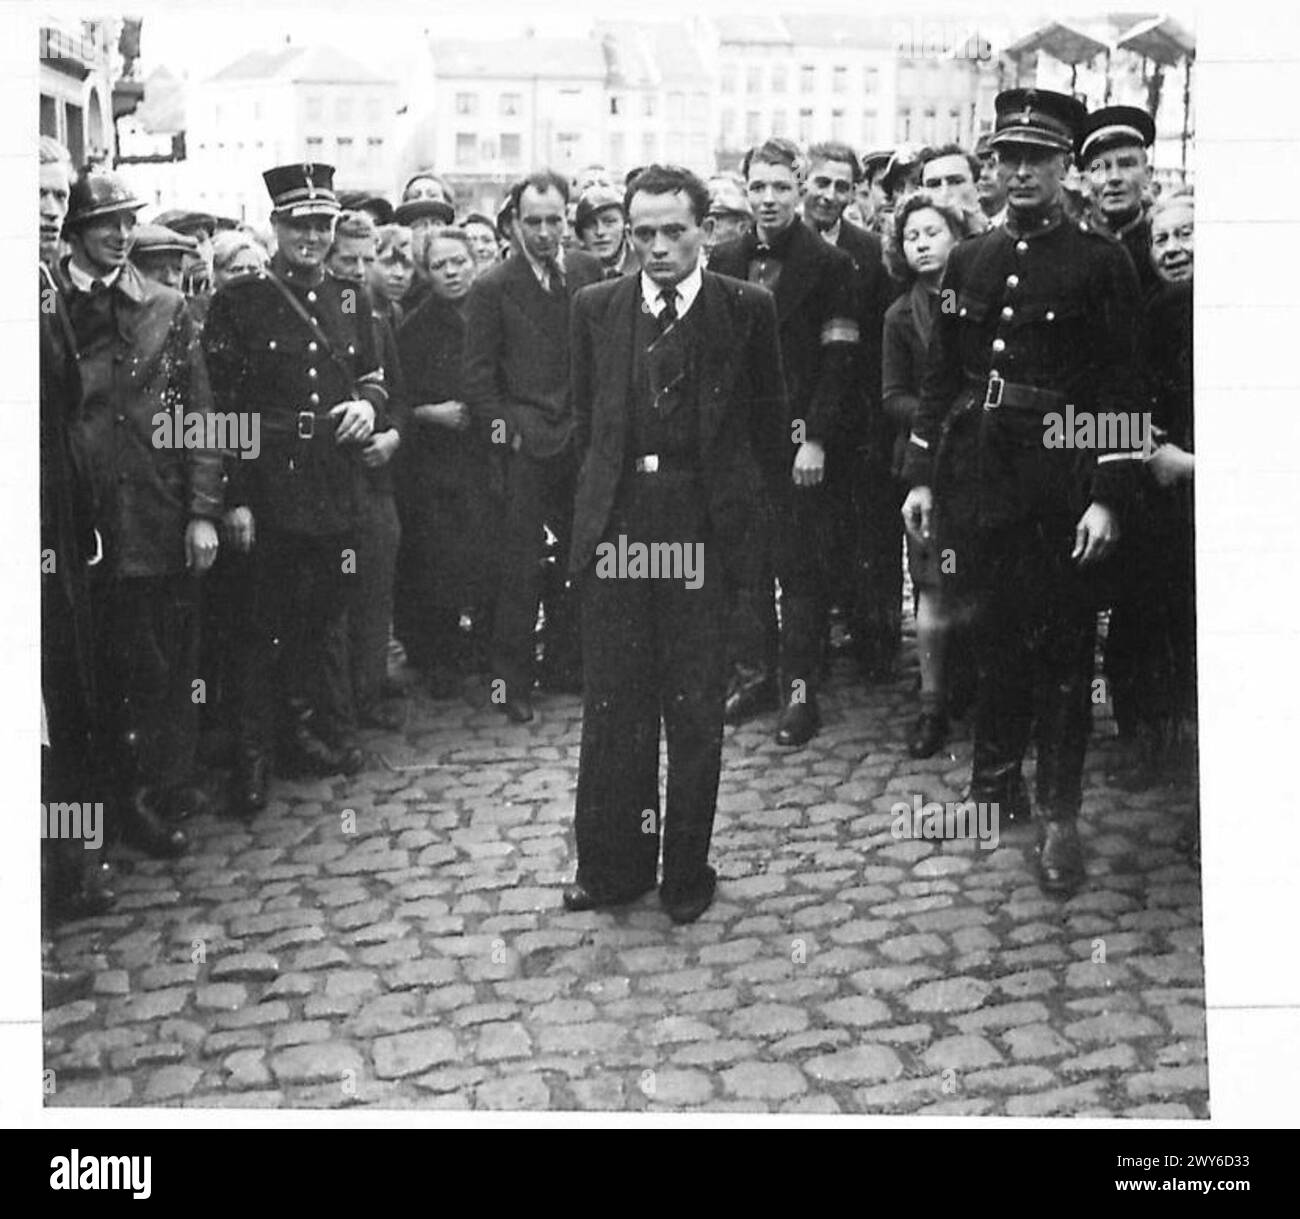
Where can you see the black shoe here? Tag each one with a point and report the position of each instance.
(249, 793)
(302, 753)
(687, 907)
(1013, 804)
(928, 734)
(387, 719)
(1060, 859)
(752, 692)
(518, 710)
(93, 894)
(349, 757)
(143, 827)
(578, 897)
(799, 723)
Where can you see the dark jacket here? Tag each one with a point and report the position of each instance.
(140, 360)
(265, 360)
(909, 323)
(517, 352)
(814, 304)
(743, 446)
(1060, 304)
(864, 423)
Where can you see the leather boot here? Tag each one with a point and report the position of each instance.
(1060, 857)
(799, 721)
(997, 780)
(144, 827)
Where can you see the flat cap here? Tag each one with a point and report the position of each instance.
(159, 239)
(179, 220)
(423, 209)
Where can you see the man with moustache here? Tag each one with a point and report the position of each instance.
(517, 387)
(866, 569)
(1045, 315)
(818, 315)
(296, 347)
(679, 419)
(155, 506)
(1113, 159)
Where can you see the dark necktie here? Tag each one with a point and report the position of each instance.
(554, 278)
(668, 314)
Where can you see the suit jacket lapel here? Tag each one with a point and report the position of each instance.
(797, 274)
(615, 360)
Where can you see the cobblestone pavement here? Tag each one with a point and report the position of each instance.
(398, 941)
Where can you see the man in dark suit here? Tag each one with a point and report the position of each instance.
(865, 564)
(517, 386)
(680, 415)
(813, 285)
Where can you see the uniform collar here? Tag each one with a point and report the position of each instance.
(687, 290)
(1047, 222)
(291, 275)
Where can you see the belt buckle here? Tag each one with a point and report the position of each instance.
(993, 392)
(306, 425)
(649, 464)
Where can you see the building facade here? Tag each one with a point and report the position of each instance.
(76, 87)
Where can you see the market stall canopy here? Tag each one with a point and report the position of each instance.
(1161, 39)
(1060, 42)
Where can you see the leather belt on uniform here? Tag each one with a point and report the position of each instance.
(999, 392)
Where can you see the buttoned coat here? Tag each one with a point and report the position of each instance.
(743, 446)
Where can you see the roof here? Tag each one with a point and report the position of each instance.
(300, 65)
(733, 28)
(163, 110)
(844, 29)
(542, 57)
(650, 53)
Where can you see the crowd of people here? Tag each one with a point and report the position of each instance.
(272, 462)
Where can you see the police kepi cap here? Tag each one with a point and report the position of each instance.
(304, 189)
(1115, 127)
(98, 192)
(1037, 116)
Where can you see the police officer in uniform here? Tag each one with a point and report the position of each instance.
(1043, 322)
(296, 348)
(1113, 159)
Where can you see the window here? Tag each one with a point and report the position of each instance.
(676, 147)
(466, 147)
(871, 80)
(752, 121)
(466, 103)
(615, 104)
(676, 106)
(568, 143)
(905, 124)
(778, 122)
(868, 129)
(837, 124)
(729, 79)
(314, 146)
(807, 78)
(954, 124)
(753, 80)
(927, 130)
(343, 148)
(779, 82)
(512, 152)
(805, 125)
(511, 104)
(648, 105)
(839, 79)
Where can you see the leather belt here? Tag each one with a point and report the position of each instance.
(664, 463)
(999, 392)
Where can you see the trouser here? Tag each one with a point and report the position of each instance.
(652, 650)
(539, 495)
(223, 626)
(877, 606)
(299, 595)
(795, 545)
(370, 614)
(1035, 636)
(146, 656)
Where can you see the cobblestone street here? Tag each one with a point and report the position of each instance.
(398, 941)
